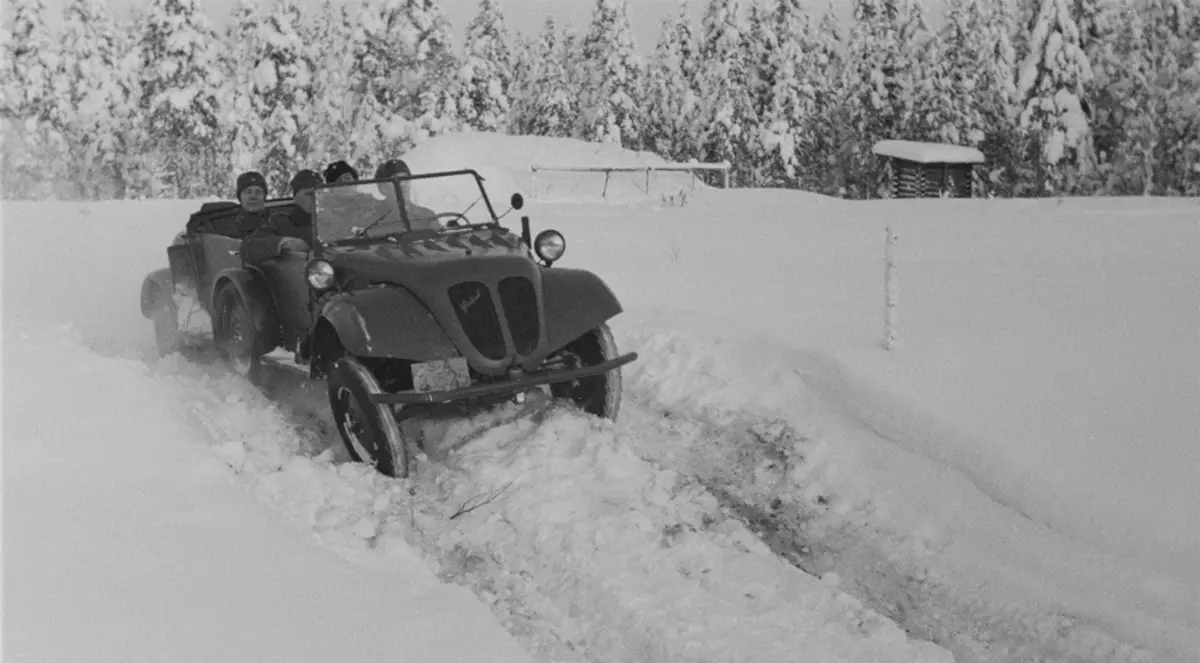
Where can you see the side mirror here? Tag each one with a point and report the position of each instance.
(517, 201)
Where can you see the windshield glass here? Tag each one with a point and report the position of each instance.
(358, 209)
(370, 209)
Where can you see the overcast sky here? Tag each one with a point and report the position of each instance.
(520, 15)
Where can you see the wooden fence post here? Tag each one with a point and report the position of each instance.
(891, 290)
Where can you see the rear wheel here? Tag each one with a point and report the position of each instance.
(368, 429)
(599, 394)
(238, 340)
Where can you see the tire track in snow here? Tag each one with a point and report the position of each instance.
(746, 468)
(585, 551)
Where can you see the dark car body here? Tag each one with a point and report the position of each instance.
(437, 315)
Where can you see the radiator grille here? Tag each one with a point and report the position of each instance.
(519, 301)
(477, 313)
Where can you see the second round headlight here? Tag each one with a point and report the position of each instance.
(550, 245)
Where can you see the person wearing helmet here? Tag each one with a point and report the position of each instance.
(340, 171)
(420, 218)
(285, 230)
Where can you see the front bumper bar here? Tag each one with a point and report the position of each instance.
(513, 385)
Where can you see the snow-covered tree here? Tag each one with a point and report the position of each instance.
(1154, 98)
(485, 74)
(790, 108)
(400, 77)
(95, 87)
(179, 100)
(672, 98)
(544, 104)
(887, 82)
(273, 75)
(726, 77)
(1050, 84)
(27, 101)
(611, 78)
(332, 35)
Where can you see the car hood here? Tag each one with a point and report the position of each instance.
(428, 266)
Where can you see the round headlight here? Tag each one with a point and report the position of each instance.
(550, 245)
(319, 274)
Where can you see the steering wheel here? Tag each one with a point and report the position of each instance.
(456, 216)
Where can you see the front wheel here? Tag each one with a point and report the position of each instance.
(599, 394)
(368, 429)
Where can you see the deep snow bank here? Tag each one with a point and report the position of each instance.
(122, 525)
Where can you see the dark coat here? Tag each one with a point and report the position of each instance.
(265, 242)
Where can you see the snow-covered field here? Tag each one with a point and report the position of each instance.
(1013, 483)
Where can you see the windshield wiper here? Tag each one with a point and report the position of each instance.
(371, 225)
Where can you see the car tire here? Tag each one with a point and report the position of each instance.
(369, 430)
(599, 394)
(238, 341)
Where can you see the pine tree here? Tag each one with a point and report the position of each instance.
(400, 77)
(546, 104)
(329, 124)
(279, 68)
(726, 77)
(180, 82)
(95, 89)
(887, 79)
(611, 74)
(671, 96)
(1157, 137)
(1050, 84)
(482, 84)
(789, 106)
(27, 101)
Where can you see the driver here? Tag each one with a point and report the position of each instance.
(420, 218)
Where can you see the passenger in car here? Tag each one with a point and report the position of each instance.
(421, 218)
(286, 230)
(252, 194)
(340, 171)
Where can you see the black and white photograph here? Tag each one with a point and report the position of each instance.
(600, 331)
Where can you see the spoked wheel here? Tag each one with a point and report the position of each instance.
(237, 339)
(599, 394)
(369, 430)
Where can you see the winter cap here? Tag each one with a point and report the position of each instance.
(391, 168)
(337, 169)
(249, 179)
(305, 179)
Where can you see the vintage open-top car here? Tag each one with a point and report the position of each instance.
(404, 310)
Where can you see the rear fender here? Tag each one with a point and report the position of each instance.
(575, 301)
(156, 287)
(257, 295)
(387, 322)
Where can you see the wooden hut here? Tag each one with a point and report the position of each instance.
(929, 170)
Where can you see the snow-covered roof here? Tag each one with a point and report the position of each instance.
(912, 150)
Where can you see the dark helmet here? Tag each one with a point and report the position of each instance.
(305, 179)
(392, 168)
(249, 179)
(337, 169)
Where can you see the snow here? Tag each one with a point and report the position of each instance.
(927, 152)
(1013, 481)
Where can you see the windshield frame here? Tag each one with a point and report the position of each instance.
(396, 181)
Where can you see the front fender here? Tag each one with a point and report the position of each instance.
(257, 295)
(158, 284)
(387, 322)
(576, 302)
